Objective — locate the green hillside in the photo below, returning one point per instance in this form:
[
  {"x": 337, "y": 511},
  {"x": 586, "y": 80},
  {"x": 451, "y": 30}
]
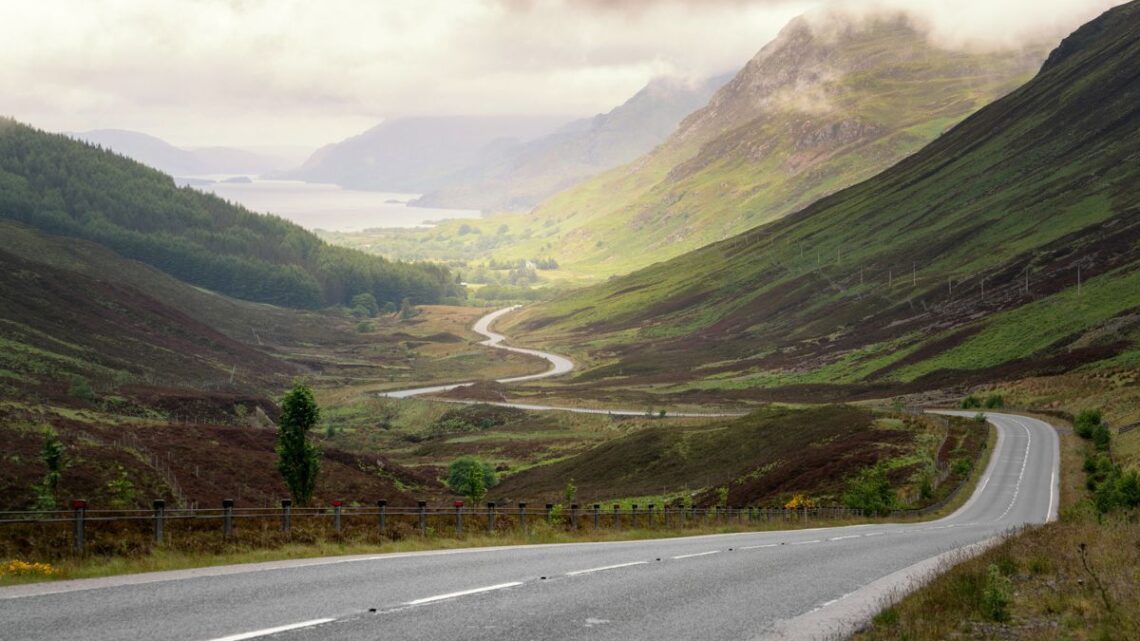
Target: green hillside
[
  {"x": 70, "y": 188},
  {"x": 822, "y": 107},
  {"x": 960, "y": 264}
]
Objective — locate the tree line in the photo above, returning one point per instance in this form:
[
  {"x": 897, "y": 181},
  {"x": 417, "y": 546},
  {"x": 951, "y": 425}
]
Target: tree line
[{"x": 70, "y": 188}]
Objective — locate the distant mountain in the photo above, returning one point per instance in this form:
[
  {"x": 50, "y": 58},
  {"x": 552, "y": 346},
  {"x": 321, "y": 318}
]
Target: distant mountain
[
  {"x": 1007, "y": 247},
  {"x": 161, "y": 155},
  {"x": 70, "y": 188},
  {"x": 419, "y": 154},
  {"x": 831, "y": 101},
  {"x": 520, "y": 177}
]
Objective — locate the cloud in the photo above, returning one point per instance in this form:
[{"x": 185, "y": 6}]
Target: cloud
[{"x": 270, "y": 72}]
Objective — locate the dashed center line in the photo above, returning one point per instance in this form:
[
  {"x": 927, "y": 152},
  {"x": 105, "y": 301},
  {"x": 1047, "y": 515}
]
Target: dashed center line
[
  {"x": 844, "y": 538},
  {"x": 452, "y": 595},
  {"x": 269, "y": 631},
  {"x": 689, "y": 556},
  {"x": 805, "y": 542},
  {"x": 605, "y": 567},
  {"x": 757, "y": 547}
]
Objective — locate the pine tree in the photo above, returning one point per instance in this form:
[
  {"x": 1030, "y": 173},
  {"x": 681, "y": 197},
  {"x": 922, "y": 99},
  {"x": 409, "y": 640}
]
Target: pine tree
[{"x": 298, "y": 460}]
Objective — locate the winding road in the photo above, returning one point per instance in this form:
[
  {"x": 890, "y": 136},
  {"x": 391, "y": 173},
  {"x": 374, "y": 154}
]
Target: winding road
[
  {"x": 794, "y": 584},
  {"x": 559, "y": 365},
  {"x": 799, "y": 584}
]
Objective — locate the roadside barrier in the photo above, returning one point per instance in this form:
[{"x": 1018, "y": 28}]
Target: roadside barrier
[{"x": 162, "y": 526}]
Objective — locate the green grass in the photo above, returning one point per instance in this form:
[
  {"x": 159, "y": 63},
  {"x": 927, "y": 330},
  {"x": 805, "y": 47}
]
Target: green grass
[
  {"x": 806, "y": 299},
  {"x": 1021, "y": 332}
]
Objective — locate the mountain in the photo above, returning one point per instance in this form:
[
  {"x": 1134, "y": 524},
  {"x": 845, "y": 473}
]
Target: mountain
[
  {"x": 829, "y": 102},
  {"x": 70, "y": 188},
  {"x": 157, "y": 153},
  {"x": 1006, "y": 247},
  {"x": 534, "y": 170},
  {"x": 419, "y": 154}
]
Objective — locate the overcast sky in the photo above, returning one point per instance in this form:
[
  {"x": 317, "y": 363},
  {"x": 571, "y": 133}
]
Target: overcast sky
[{"x": 304, "y": 73}]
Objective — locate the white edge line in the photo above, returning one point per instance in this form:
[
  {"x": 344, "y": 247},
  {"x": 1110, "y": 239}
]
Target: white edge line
[
  {"x": 605, "y": 567},
  {"x": 269, "y": 631},
  {"x": 452, "y": 595},
  {"x": 689, "y": 556}
]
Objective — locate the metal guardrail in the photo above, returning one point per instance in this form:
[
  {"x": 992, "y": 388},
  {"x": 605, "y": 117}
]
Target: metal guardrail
[{"x": 421, "y": 519}]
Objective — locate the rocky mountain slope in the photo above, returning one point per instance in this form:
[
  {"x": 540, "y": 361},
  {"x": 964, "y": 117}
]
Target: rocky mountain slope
[
  {"x": 1009, "y": 246},
  {"x": 830, "y": 102}
]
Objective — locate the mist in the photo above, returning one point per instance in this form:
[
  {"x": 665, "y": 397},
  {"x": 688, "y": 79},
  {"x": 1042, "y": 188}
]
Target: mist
[{"x": 303, "y": 74}]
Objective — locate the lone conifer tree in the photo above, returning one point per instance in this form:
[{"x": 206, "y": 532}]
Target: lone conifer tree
[{"x": 298, "y": 460}]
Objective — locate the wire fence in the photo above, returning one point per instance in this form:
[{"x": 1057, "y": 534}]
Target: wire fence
[{"x": 83, "y": 529}]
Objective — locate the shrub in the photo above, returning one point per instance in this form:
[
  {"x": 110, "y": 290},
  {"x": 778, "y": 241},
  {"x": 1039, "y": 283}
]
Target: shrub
[
  {"x": 1086, "y": 423},
  {"x": 298, "y": 460},
  {"x": 17, "y": 567},
  {"x": 463, "y": 473},
  {"x": 80, "y": 388},
  {"x": 962, "y": 466},
  {"x": 121, "y": 490},
  {"x": 870, "y": 491},
  {"x": 996, "y": 595},
  {"x": 1101, "y": 437},
  {"x": 970, "y": 402},
  {"x": 994, "y": 401},
  {"x": 926, "y": 488}
]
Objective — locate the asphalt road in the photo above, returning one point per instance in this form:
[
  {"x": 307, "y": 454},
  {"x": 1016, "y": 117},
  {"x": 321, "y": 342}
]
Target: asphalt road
[
  {"x": 558, "y": 365},
  {"x": 789, "y": 584}
]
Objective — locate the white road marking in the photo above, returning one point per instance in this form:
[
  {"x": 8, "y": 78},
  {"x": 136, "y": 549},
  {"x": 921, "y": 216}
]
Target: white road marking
[
  {"x": 1021, "y": 474},
  {"x": 844, "y": 538},
  {"x": 757, "y": 547},
  {"x": 452, "y": 595},
  {"x": 605, "y": 567},
  {"x": 689, "y": 556},
  {"x": 269, "y": 631},
  {"x": 805, "y": 542}
]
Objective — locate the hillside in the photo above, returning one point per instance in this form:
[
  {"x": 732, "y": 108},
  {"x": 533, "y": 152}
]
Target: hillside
[
  {"x": 1007, "y": 247},
  {"x": 70, "y": 188},
  {"x": 828, "y": 103},
  {"x": 762, "y": 459},
  {"x": 524, "y": 176},
  {"x": 419, "y": 154}
]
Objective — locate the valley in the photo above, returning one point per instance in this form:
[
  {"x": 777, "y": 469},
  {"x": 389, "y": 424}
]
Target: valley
[{"x": 875, "y": 274}]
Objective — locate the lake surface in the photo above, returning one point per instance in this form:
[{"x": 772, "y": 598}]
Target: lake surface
[{"x": 328, "y": 207}]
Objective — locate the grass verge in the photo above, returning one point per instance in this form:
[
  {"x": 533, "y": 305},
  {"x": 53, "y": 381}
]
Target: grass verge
[
  {"x": 1077, "y": 578},
  {"x": 540, "y": 533}
]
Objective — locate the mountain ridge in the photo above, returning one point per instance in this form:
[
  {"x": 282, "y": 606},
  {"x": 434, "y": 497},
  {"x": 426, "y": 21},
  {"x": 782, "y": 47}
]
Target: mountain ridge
[
  {"x": 934, "y": 272},
  {"x": 807, "y": 116},
  {"x": 539, "y": 168}
]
